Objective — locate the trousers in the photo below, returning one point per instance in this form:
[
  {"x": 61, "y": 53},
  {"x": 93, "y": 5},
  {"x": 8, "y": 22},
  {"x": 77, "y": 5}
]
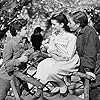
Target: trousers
[
  {"x": 95, "y": 93},
  {"x": 4, "y": 88}
]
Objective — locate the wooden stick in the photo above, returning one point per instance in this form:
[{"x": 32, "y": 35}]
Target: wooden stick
[
  {"x": 31, "y": 65},
  {"x": 14, "y": 89},
  {"x": 86, "y": 84},
  {"x": 82, "y": 75},
  {"x": 86, "y": 89}
]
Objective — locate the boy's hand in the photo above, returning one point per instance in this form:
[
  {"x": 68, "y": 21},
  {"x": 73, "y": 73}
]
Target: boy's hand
[
  {"x": 92, "y": 75},
  {"x": 23, "y": 58}
]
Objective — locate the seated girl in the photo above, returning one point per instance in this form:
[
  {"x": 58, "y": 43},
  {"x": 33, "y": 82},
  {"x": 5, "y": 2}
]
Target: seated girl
[{"x": 63, "y": 57}]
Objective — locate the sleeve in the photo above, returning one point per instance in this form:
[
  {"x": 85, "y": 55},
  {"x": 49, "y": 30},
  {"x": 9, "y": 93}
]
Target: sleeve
[
  {"x": 33, "y": 55},
  {"x": 51, "y": 45},
  {"x": 89, "y": 58},
  {"x": 69, "y": 47},
  {"x": 8, "y": 61},
  {"x": 29, "y": 52}
]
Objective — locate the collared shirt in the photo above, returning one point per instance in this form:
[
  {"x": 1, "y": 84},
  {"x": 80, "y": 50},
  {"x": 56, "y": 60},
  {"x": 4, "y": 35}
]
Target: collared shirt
[{"x": 13, "y": 49}]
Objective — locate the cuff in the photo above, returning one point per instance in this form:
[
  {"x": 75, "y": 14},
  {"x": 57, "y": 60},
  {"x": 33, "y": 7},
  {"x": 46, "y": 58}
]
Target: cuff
[
  {"x": 87, "y": 70},
  {"x": 17, "y": 62}
]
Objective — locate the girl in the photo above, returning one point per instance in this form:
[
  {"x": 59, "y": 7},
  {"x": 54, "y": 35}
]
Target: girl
[{"x": 62, "y": 49}]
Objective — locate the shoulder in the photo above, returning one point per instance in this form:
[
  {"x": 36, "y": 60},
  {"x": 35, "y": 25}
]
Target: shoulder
[
  {"x": 90, "y": 29},
  {"x": 70, "y": 35},
  {"x": 90, "y": 32},
  {"x": 10, "y": 43}
]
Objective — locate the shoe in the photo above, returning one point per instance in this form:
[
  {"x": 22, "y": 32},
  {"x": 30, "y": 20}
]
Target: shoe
[
  {"x": 63, "y": 91},
  {"x": 55, "y": 91},
  {"x": 64, "y": 94},
  {"x": 45, "y": 89},
  {"x": 38, "y": 94},
  {"x": 48, "y": 88}
]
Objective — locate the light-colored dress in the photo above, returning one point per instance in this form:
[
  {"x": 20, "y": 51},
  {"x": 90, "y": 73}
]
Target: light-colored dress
[{"x": 52, "y": 70}]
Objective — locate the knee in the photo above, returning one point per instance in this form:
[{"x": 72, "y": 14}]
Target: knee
[{"x": 54, "y": 75}]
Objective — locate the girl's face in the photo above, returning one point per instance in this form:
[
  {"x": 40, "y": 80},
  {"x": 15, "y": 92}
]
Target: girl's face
[
  {"x": 23, "y": 32},
  {"x": 73, "y": 26},
  {"x": 55, "y": 25}
]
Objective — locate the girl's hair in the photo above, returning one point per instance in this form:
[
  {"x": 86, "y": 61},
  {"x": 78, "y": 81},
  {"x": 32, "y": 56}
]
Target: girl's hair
[
  {"x": 61, "y": 18},
  {"x": 80, "y": 17},
  {"x": 48, "y": 25},
  {"x": 17, "y": 25}
]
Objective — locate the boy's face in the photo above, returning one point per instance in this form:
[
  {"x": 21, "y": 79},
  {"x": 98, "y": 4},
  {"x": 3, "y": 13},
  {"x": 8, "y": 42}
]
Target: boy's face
[
  {"x": 23, "y": 32},
  {"x": 73, "y": 26}
]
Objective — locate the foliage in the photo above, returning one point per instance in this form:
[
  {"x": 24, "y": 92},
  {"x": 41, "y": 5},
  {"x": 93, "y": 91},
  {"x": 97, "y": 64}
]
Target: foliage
[{"x": 9, "y": 8}]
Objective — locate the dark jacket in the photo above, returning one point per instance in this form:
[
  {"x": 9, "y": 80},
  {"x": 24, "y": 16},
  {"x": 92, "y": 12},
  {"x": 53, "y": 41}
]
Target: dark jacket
[{"x": 88, "y": 48}]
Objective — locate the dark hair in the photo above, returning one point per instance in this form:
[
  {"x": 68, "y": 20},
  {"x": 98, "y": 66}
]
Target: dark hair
[
  {"x": 12, "y": 30},
  {"x": 97, "y": 27},
  {"x": 80, "y": 17},
  {"x": 61, "y": 18},
  {"x": 37, "y": 30},
  {"x": 3, "y": 33},
  {"x": 17, "y": 25},
  {"x": 48, "y": 24}
]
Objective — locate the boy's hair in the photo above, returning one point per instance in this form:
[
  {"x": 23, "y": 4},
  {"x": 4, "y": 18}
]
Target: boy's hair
[
  {"x": 17, "y": 26},
  {"x": 80, "y": 17}
]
